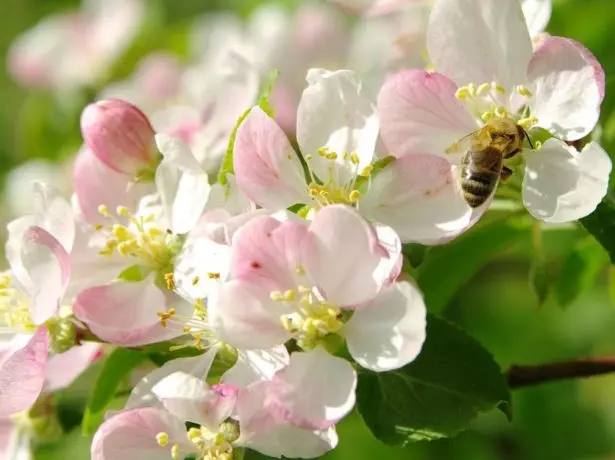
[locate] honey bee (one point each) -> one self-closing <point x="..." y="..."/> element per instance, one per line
<point x="482" y="164"/>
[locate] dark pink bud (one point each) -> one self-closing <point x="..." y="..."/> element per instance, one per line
<point x="120" y="135"/>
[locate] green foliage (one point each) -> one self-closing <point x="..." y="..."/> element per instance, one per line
<point x="584" y="263"/>
<point x="115" y="369"/>
<point x="439" y="394"/>
<point x="447" y="268"/>
<point x="601" y="224"/>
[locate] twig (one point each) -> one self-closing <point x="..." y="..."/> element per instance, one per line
<point x="523" y="376"/>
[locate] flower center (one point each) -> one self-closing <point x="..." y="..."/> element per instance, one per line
<point x="142" y="239"/>
<point x="490" y="100"/>
<point x="312" y="317"/>
<point x="338" y="188"/>
<point x="209" y="446"/>
<point x="14" y="308"/>
<point x="196" y="325"/>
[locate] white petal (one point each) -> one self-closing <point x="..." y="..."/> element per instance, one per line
<point x="389" y="333"/>
<point x="341" y="257"/>
<point x="537" y="14"/>
<point x="55" y="214"/>
<point x="197" y="366"/>
<point x="333" y="113"/>
<point x="64" y="368"/>
<point x="314" y="391"/>
<point x="562" y="184"/>
<point x="479" y="41"/>
<point x="182" y="184"/>
<point x="568" y="86"/>
<point x="418" y="196"/>
<point x="256" y="365"/>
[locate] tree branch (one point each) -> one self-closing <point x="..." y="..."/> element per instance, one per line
<point x="523" y="376"/>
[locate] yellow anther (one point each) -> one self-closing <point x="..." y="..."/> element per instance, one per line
<point x="193" y="434"/>
<point x="287" y="323"/>
<point x="175" y="452"/>
<point x="482" y="89"/>
<point x="186" y="329"/>
<point x="122" y="211"/>
<point x="154" y="232"/>
<point x="486" y="116"/>
<point x="527" y="122"/>
<point x="331" y="156"/>
<point x="103" y="210"/>
<point x="98" y="227"/>
<point x="471" y="89"/>
<point x="354" y="196"/>
<point x="323" y="151"/>
<point x="276" y="295"/>
<point x="365" y="172"/>
<point x="354" y="158"/>
<point x="120" y="232"/>
<point x="299" y="270"/>
<point x="169" y="278"/>
<point x="213" y="275"/>
<point x="462" y="93"/>
<point x="537" y="145"/>
<point x="524" y="91"/>
<point x="304" y="289"/>
<point x="166" y="316"/>
<point x="125" y="247"/>
<point x="218" y="438"/>
<point x="497" y="87"/>
<point x="195" y="280"/>
<point x="308" y="157"/>
<point x="162" y="439"/>
<point x="501" y="112"/>
<point x="290" y="295"/>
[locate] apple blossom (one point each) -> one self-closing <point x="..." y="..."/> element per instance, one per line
<point x="290" y="280"/>
<point x="487" y="68"/>
<point x="337" y="130"/>
<point x="75" y="48"/>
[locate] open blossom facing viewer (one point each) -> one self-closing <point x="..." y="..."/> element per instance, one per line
<point x="487" y="68"/>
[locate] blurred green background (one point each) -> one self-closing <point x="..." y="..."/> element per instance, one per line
<point x="572" y="420"/>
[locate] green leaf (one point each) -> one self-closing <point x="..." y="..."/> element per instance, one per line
<point x="436" y="396"/>
<point x="580" y="270"/>
<point x="601" y="224"/>
<point x="611" y="286"/>
<point x="115" y="369"/>
<point x="263" y="102"/>
<point x="540" y="279"/>
<point x="415" y="253"/>
<point x="448" y="268"/>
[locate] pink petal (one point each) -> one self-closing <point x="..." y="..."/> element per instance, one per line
<point x="125" y="313"/>
<point x="64" y="368"/>
<point x="256" y="365"/>
<point x="96" y="184"/>
<point x="479" y="41"/>
<point x="389" y="333"/>
<point x="244" y="315"/>
<point x="568" y="84"/>
<point x="47" y="265"/>
<point x="22" y="372"/>
<point x="132" y="436"/>
<point x="266" y="167"/>
<point x="315" y="391"/>
<point x="341" y="257"/>
<point x="420" y="114"/>
<point x="266" y="252"/>
<point x="419" y="197"/>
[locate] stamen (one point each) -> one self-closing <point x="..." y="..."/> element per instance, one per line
<point x="482" y="89"/>
<point x="175" y="452"/>
<point x="169" y="279"/>
<point x="524" y="91"/>
<point x="103" y="210"/>
<point x="162" y="439"/>
<point x="166" y="316"/>
<point x="497" y="87"/>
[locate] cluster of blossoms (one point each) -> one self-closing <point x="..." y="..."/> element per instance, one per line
<point x="286" y="271"/>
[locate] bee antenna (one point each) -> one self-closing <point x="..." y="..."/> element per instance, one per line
<point x="527" y="136"/>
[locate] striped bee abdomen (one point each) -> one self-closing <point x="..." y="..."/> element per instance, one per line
<point x="480" y="172"/>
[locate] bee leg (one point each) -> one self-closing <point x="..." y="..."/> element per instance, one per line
<point x="512" y="154"/>
<point x="505" y="173"/>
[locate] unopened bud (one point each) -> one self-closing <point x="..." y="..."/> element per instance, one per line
<point x="120" y="136"/>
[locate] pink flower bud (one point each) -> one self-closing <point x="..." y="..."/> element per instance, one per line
<point x="120" y="135"/>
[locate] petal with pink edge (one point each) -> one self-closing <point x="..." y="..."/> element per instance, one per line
<point x="420" y="114"/>
<point x="64" y="368"/>
<point x="562" y="184"/>
<point x="244" y="315"/>
<point x="47" y="265"/>
<point x="419" y="197"/>
<point x="267" y="168"/>
<point x="341" y="257"/>
<point x="266" y="252"/>
<point x="315" y="390"/>
<point x="132" y="436"/>
<point x="125" y="313"/>
<point x="568" y="85"/>
<point x="197" y="366"/>
<point x="388" y="333"/>
<point x="479" y="41"/>
<point x="22" y="372"/>
<point x="55" y="214"/>
<point x="256" y="365"/>
<point x="332" y="113"/>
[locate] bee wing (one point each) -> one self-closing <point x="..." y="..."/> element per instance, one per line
<point x="476" y="140"/>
